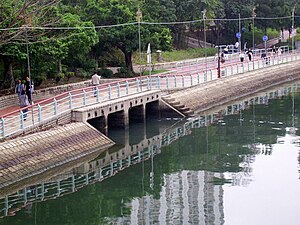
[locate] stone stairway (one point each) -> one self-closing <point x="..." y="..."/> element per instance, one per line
<point x="181" y="107"/>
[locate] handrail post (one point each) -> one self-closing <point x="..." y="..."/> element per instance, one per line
<point x="119" y="92"/>
<point x="109" y="91"/>
<point x="198" y="78"/>
<point x="84" y="97"/>
<point x="167" y="83"/>
<point x="158" y="82"/>
<point x="22" y="120"/>
<point x="231" y="69"/>
<point x="39" y="113"/>
<point x="137" y="85"/>
<point x="3" y="127"/>
<point x="97" y="94"/>
<point x="175" y="81"/>
<point x="182" y="80"/>
<point x="205" y="76"/>
<point x="70" y="100"/>
<point x="148" y="83"/>
<point x="211" y="75"/>
<point x="55" y="106"/>
<point x="127" y="87"/>
<point x="191" y="76"/>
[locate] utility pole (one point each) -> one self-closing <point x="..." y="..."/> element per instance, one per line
<point x="139" y="15"/>
<point x="219" y="66"/>
<point x="293" y="24"/>
<point x="253" y="16"/>
<point x="27" y="52"/>
<point x="205" y="53"/>
<point x="240" y="32"/>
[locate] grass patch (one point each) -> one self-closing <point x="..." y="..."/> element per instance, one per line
<point x="175" y="55"/>
<point x="146" y="73"/>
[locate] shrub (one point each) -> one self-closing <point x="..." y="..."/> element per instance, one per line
<point x="123" y="72"/>
<point x="59" y="76"/>
<point x="107" y="73"/>
<point x="82" y="73"/>
<point x="70" y="74"/>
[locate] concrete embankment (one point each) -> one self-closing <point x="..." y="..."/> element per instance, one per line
<point x="28" y="156"/>
<point x="221" y="91"/>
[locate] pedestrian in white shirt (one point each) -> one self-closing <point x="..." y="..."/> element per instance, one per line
<point x="95" y="81"/>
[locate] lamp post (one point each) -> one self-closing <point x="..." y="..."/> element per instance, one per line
<point x="239" y="32"/>
<point x="27" y="53"/>
<point x="293" y="24"/>
<point x="253" y="16"/>
<point x="205" y="53"/>
<point x="219" y="65"/>
<point x="139" y="16"/>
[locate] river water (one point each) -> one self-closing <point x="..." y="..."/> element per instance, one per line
<point x="238" y="164"/>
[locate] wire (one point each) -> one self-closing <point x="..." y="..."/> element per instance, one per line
<point x="147" y="23"/>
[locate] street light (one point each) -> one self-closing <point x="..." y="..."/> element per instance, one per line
<point x="239" y="32"/>
<point x="27" y="52"/>
<point x="205" y="53"/>
<point x="219" y="65"/>
<point x="293" y="24"/>
<point x="139" y="16"/>
<point x="253" y="16"/>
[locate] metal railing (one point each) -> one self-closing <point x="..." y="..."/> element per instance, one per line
<point x="183" y="76"/>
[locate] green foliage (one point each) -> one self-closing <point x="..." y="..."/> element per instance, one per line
<point x="106" y="73"/>
<point x="79" y="72"/>
<point x="123" y="72"/>
<point x="59" y="77"/>
<point x="70" y="74"/>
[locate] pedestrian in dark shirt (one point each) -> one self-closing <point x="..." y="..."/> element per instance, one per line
<point x="28" y="89"/>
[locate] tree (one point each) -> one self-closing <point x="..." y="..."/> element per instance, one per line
<point x="15" y="16"/>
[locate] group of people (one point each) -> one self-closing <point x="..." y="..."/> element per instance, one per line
<point x="24" y="91"/>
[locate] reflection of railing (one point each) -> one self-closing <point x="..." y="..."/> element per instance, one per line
<point x="183" y="77"/>
<point x="100" y="169"/>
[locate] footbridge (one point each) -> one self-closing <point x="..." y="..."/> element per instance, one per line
<point x="120" y="102"/>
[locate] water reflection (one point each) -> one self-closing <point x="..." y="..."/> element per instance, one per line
<point x="172" y="172"/>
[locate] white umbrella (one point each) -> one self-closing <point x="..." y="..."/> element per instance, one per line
<point x="149" y="54"/>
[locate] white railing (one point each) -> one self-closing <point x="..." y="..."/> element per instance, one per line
<point x="182" y="77"/>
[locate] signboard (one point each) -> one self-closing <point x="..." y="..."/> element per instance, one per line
<point x="238" y="35"/>
<point x="265" y="38"/>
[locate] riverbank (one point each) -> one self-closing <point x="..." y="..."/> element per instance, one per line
<point x="211" y="94"/>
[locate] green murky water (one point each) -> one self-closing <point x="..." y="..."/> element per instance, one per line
<point x="236" y="166"/>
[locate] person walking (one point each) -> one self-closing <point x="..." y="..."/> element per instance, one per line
<point x="19" y="88"/>
<point x="95" y="82"/>
<point x="24" y="102"/>
<point x="28" y="89"/>
<point x="250" y="54"/>
<point x="242" y="56"/>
